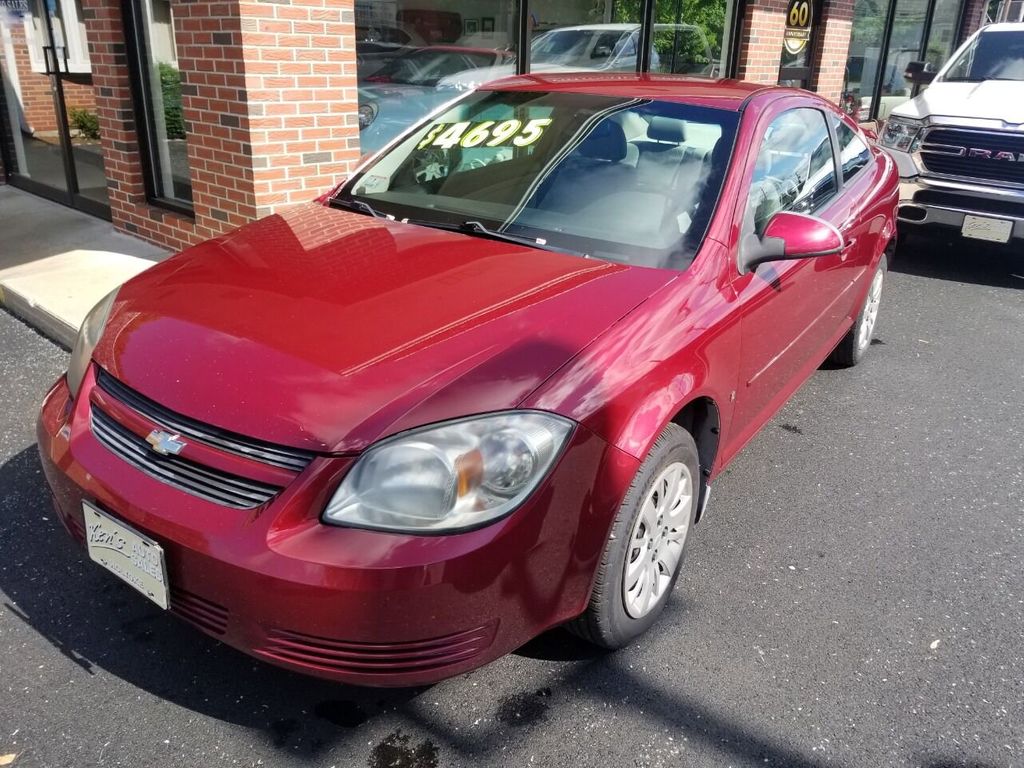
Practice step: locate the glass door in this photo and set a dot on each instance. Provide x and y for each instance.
(51, 111)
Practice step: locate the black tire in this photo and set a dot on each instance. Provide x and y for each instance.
(849, 352)
(606, 622)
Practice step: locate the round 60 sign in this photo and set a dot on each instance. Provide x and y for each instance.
(798, 25)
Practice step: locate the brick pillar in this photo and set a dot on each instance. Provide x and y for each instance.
(300, 75)
(832, 48)
(213, 104)
(760, 54)
(269, 100)
(219, 166)
(974, 17)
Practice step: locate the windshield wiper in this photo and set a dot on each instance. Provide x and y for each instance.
(351, 204)
(476, 228)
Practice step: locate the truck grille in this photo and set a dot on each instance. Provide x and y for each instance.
(229, 442)
(940, 154)
(205, 482)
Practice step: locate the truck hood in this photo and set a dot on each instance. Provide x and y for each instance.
(991, 104)
(326, 330)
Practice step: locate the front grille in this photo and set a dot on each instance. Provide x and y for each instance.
(229, 442)
(940, 144)
(199, 480)
(377, 658)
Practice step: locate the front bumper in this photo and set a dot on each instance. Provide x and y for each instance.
(355, 606)
(935, 202)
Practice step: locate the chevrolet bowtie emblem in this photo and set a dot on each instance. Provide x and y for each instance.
(165, 443)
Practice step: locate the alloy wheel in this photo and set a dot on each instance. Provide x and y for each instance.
(657, 539)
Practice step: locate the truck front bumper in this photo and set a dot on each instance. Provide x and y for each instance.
(934, 202)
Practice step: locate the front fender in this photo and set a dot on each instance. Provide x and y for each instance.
(680, 345)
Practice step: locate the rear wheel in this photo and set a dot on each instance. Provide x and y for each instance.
(644, 553)
(855, 343)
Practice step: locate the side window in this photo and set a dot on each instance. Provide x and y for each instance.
(853, 152)
(795, 170)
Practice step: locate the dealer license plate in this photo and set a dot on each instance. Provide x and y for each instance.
(984, 228)
(137, 559)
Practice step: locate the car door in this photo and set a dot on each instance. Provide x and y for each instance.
(790, 309)
(862, 233)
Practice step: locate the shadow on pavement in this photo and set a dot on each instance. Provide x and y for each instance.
(950, 257)
(102, 625)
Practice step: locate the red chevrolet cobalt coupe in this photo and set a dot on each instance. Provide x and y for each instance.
(484, 387)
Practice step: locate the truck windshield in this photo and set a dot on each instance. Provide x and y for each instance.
(993, 55)
(625, 179)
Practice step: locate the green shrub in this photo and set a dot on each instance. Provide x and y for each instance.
(86, 122)
(170, 86)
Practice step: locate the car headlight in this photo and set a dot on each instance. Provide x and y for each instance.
(367, 114)
(88, 337)
(454, 476)
(901, 133)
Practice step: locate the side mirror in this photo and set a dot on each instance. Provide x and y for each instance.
(919, 72)
(790, 236)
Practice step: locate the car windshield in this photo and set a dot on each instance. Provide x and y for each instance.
(624, 179)
(993, 55)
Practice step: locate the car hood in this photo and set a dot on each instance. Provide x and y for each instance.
(326, 330)
(401, 91)
(994, 102)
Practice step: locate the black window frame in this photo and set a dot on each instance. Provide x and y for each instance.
(137, 55)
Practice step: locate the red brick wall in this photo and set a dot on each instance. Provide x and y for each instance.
(974, 15)
(300, 76)
(831, 48)
(760, 41)
(116, 112)
(215, 114)
(269, 101)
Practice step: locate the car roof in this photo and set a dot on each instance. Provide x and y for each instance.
(1004, 26)
(700, 91)
(594, 27)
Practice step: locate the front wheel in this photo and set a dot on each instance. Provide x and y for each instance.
(644, 552)
(855, 343)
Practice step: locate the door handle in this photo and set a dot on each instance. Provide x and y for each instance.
(848, 244)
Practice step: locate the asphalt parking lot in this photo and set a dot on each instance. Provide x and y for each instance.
(854, 598)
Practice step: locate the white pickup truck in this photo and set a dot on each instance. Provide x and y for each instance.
(959, 145)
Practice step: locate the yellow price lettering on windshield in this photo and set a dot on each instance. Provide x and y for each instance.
(487, 133)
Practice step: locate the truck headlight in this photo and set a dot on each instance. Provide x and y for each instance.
(88, 337)
(901, 133)
(450, 477)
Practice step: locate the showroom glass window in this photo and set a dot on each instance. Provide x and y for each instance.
(864, 54)
(691, 37)
(585, 36)
(157, 88)
(412, 60)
